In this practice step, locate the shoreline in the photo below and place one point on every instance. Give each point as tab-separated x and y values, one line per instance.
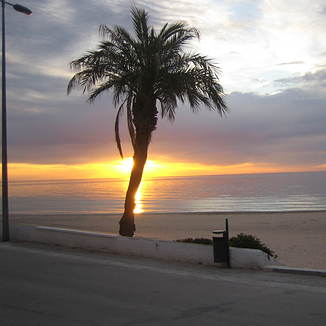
297	237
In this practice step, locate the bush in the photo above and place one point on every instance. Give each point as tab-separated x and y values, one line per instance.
240	241
197	240
249	241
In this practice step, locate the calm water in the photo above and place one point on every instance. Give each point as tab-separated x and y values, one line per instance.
260	192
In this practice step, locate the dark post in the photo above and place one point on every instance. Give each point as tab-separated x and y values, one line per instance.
5	210
5	205
227	243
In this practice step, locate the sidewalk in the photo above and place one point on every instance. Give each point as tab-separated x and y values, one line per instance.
41	285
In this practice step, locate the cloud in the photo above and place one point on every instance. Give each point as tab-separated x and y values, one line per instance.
318	76
273	66
259	34
290	63
315	82
286	128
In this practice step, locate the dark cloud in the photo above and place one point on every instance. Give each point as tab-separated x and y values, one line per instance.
315	81
286	128
61	131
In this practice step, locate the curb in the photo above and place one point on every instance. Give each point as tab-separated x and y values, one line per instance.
296	270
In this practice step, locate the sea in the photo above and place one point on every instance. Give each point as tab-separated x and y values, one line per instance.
279	192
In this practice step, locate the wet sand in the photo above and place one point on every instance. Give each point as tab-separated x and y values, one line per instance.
298	238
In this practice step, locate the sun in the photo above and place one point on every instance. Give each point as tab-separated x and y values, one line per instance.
124	166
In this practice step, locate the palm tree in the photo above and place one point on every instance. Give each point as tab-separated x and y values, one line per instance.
142	71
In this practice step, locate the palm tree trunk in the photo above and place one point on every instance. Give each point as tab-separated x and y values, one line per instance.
127	224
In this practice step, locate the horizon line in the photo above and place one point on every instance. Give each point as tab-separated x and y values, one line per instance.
169	177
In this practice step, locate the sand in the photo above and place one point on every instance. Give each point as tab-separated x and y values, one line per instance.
298	238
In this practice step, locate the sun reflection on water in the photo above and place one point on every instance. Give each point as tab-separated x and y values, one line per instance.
139	205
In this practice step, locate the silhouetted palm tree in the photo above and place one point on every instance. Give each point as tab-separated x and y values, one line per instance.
142	71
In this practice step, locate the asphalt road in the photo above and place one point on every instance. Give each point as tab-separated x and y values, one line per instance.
42	285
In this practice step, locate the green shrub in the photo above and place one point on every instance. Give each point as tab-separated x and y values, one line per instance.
249	241
197	240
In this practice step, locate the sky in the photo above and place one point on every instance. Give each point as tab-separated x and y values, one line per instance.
272	60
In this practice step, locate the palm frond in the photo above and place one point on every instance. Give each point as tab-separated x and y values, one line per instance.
192	77
131	126
140	22
178	30
168	107
100	89
116	129
104	31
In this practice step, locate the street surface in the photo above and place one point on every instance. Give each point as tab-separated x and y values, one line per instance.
43	285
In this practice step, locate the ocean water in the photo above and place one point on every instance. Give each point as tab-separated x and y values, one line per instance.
223	193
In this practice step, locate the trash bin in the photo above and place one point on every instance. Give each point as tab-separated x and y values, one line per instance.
221	245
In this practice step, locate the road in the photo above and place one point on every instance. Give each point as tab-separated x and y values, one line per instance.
42	285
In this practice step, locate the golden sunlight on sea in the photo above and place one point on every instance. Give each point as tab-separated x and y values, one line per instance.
154	168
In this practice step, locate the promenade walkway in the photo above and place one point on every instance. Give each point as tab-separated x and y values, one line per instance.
43	285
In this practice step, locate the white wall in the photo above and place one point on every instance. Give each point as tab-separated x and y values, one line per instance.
144	247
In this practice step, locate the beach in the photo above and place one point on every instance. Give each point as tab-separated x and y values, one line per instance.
298	238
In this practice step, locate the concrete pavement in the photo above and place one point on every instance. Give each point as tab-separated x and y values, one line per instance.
41	285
